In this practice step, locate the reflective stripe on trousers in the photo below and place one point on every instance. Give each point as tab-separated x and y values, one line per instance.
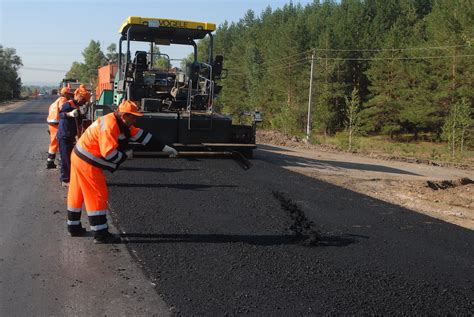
87	185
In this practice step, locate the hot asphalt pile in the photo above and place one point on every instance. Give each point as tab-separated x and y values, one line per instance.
219	240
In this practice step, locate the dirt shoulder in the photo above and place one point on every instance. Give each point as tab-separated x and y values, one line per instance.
446	193
11	105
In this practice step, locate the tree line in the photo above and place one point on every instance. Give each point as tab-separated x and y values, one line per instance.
10	82
408	63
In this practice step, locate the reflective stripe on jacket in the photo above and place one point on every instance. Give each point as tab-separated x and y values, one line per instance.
99	144
53	114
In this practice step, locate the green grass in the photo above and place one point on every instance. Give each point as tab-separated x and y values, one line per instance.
382	145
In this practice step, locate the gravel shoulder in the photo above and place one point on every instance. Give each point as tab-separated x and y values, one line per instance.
401	183
11	105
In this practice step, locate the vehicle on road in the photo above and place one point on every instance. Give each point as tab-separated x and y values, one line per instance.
73	84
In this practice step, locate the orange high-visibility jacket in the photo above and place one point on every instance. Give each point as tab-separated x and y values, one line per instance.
99	144
53	114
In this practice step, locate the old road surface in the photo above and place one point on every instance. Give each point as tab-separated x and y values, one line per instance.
43	271
212	239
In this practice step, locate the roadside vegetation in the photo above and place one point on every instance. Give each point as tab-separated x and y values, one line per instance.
392	76
404	147
10	82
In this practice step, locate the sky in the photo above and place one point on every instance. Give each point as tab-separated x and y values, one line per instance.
49	35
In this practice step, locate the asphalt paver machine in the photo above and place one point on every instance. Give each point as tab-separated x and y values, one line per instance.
178	105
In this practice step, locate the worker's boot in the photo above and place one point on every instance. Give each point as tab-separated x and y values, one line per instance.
74	226
50	165
105	237
50	162
76	231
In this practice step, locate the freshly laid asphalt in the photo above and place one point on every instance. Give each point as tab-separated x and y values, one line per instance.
218	240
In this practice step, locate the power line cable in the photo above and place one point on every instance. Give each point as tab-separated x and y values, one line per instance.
304	60
284	58
361	50
393	58
287	57
44	69
295	63
390	49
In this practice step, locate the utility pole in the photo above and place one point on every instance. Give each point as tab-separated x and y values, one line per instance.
310	101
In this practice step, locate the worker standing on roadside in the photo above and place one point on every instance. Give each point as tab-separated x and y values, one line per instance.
53	122
102	146
69	121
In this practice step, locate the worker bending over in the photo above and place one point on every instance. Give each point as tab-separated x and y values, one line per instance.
101	147
69	123
53	122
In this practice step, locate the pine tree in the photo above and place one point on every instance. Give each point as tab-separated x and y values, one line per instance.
382	111
93	59
450	24
112	55
352	116
77	71
465	123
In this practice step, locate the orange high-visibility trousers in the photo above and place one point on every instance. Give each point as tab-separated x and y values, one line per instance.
87	185
53	142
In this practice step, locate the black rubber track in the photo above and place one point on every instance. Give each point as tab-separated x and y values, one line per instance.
219	240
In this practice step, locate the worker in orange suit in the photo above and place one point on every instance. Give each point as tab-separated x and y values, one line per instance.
53	122
102	147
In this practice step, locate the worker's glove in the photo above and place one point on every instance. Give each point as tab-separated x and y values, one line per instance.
73	114
170	151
